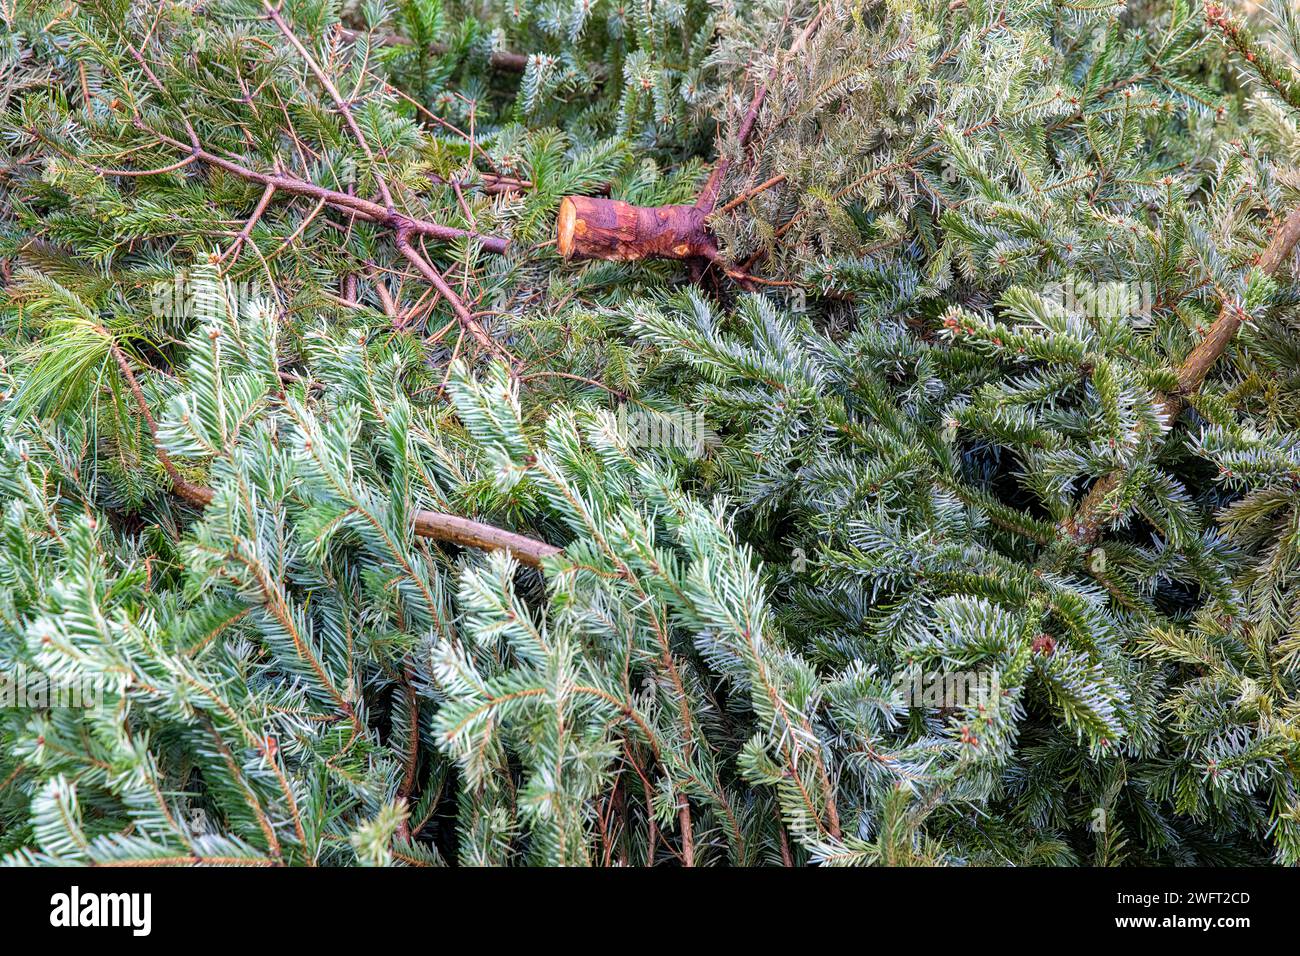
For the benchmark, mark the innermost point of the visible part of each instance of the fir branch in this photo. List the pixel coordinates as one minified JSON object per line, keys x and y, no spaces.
{"x":344,"y":108}
{"x":1084,"y":527}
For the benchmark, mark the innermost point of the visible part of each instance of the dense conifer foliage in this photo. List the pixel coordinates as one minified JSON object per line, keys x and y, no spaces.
{"x":685,"y":432}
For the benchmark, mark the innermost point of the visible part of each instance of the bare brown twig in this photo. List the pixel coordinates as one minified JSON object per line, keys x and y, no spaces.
{"x":402,"y":238}
{"x":233,"y":251}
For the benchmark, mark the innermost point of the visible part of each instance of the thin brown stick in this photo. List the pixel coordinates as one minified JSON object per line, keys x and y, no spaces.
{"x":688,"y":836}
{"x":244,"y":233}
{"x":491,"y":183}
{"x":412,"y":748}
{"x":438,"y":526}
{"x":1202,"y":358}
{"x":786,"y":859}
{"x":195,"y":494}
{"x":381,"y":289}
{"x":179,"y":164}
{"x":426,"y":269}
{"x":745,"y":277}
{"x":751,"y":193}
{"x":157,"y":85}
{"x":708,"y":197}
{"x":302,"y":227}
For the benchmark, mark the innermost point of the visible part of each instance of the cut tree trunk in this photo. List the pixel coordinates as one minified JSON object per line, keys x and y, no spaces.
{"x":594,"y":228}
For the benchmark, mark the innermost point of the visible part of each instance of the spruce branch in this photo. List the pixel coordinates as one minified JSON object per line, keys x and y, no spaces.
{"x":352,"y":205}
{"x":1084,"y":527}
{"x":1277,"y":75}
{"x":402,"y":226}
{"x":775,"y":516}
{"x":434,"y":525}
{"x":708,"y":197}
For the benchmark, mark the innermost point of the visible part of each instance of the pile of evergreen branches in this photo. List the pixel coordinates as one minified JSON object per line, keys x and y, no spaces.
{"x":679,"y":432}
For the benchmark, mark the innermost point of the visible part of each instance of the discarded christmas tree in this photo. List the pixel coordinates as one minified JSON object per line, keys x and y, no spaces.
{"x":699,"y":434}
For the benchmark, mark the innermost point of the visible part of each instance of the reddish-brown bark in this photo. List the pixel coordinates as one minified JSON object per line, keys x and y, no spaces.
{"x":590,"y":227}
